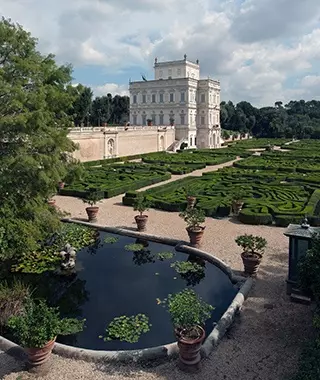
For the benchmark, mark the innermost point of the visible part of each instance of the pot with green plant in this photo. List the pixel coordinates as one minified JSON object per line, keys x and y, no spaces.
{"x":141,"y":204}
{"x":171,"y":120}
{"x":37,"y":327}
{"x":191,"y":200}
{"x":92,"y":198}
{"x":61,"y":185}
{"x":149,"y":122}
{"x":237,"y":204}
{"x":188,"y":315}
{"x":252,"y":252}
{"x":194,"y":217}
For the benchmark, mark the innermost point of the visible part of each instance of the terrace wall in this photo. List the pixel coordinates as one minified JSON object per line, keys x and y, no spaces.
{"x":97,"y":143}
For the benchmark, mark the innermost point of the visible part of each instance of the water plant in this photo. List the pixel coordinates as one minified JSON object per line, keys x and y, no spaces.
{"x":165,"y":255}
{"x":110,"y":239}
{"x":133,"y":247}
{"x":127,"y":329}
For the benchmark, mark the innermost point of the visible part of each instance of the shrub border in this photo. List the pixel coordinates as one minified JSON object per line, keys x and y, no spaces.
{"x":165,"y":351}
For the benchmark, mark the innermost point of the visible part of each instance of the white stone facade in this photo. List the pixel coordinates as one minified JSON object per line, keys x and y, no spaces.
{"x":177,"y":93}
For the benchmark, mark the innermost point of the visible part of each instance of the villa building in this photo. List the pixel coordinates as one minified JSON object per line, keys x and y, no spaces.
{"x":177,"y":96}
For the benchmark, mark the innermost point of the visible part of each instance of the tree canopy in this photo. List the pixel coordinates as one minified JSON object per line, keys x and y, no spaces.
{"x":300,"y":119}
{"x":36,"y":98}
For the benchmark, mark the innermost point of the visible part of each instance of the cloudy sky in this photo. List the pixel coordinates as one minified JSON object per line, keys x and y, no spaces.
{"x":261,"y":50}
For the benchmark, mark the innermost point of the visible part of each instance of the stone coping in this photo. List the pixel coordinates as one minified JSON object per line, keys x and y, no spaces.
{"x":166,"y":351}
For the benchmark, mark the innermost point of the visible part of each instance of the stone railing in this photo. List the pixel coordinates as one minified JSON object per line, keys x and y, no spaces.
{"x":120,"y":128}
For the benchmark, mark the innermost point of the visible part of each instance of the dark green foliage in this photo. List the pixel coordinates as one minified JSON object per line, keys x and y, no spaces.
{"x":187,"y":309}
{"x":252,"y":245}
{"x":38,"y":324}
{"x":35,"y":152}
{"x":194,"y":217}
{"x":46,"y":258}
{"x":309,"y":368}
{"x":93,"y":197}
{"x":165,"y":256}
{"x":127,"y":329}
{"x":140,"y":204}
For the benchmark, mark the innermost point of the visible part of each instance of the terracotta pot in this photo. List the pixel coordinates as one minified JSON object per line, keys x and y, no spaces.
{"x":189,"y":349}
{"x":141,"y":221}
{"x":39,"y":356}
{"x":61,"y":185}
{"x":92,"y":212}
{"x":251,"y":264}
{"x":191,"y":201}
{"x":236,"y":207}
{"x":52,"y":202}
{"x":149,"y":123}
{"x":195,"y":236}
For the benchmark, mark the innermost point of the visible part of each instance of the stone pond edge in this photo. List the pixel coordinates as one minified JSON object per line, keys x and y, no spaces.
{"x":166,"y":351}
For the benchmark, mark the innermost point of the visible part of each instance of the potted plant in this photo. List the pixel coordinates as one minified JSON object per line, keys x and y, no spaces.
{"x":188,"y":315}
{"x":61,"y":185}
{"x":194,"y":217}
{"x":51,"y":201}
{"x":37,"y":327}
{"x":149,"y":122}
{"x":171,"y":121}
{"x":92,"y":198}
{"x":141,"y":204}
{"x":191,"y":200}
{"x":252,"y":251}
{"x":237,"y":203}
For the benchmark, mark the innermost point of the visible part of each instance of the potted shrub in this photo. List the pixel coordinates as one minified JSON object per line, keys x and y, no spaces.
{"x":51,"y":201}
{"x":191,"y":200}
{"x":171,"y":121}
{"x":92,"y":198}
{"x":237,"y":203}
{"x":252,"y":251}
{"x":194,"y":217}
{"x":188,"y":315}
{"x":61,"y":185}
{"x":37,"y":327}
{"x":149,"y":122}
{"x":141,"y":204}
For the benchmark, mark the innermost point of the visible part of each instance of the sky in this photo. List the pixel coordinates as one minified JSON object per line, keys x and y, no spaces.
{"x":262,"y":51}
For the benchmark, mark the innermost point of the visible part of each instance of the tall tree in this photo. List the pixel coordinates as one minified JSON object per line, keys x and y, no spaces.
{"x":81,"y":110}
{"x":35,"y":100}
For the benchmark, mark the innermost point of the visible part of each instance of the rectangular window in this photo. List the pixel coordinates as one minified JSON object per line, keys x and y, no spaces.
{"x":203,"y":98}
{"x":134,"y":99}
{"x":195,"y":141}
{"x":161,"y":98}
{"x":144,"y":119}
{"x":182,"y":97}
{"x":191,"y":141}
{"x":153,"y":98}
{"x":178,"y":72}
{"x":160,"y":74}
{"x":161,"y":119}
{"x":169,"y":72}
{"x":144,"y":98}
{"x":202,"y":120}
{"x":171,"y":97}
{"x":182,"y":119}
{"x":134,"y":119}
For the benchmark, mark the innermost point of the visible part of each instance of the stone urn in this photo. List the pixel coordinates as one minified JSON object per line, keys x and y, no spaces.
{"x":237,"y":207}
{"x":195,"y":235}
{"x":189,"y":347}
{"x":92,"y":212}
{"x":39,"y":356}
{"x":191,"y":201}
{"x":251,"y":264}
{"x":141,"y":221}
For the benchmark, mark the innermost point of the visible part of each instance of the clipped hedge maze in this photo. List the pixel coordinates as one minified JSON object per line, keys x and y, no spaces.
{"x":190,"y":157}
{"x":269,"y":198}
{"x":113,"y":180}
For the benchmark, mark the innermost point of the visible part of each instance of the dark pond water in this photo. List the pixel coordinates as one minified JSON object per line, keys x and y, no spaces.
{"x":110,"y":282}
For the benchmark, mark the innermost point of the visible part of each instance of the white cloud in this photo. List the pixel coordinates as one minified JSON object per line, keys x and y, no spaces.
{"x":259,"y":49}
{"x":111,"y":88}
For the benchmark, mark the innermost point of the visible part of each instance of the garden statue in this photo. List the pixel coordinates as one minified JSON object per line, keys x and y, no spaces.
{"x":68,"y":256}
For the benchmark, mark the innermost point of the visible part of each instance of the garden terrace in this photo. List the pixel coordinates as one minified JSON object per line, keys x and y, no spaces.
{"x":269,"y":196}
{"x":192,"y":157}
{"x":258,"y":143}
{"x":112,"y":180}
{"x":305,"y":145}
{"x":279,"y":163}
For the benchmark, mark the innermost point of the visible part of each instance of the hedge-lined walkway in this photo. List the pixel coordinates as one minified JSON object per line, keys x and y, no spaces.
{"x":265,"y":342}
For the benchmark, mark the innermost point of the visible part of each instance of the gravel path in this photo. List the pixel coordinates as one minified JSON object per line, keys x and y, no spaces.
{"x":265,"y":340}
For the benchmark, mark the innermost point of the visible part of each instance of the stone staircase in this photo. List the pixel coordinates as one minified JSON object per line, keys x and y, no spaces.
{"x":175,"y":145}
